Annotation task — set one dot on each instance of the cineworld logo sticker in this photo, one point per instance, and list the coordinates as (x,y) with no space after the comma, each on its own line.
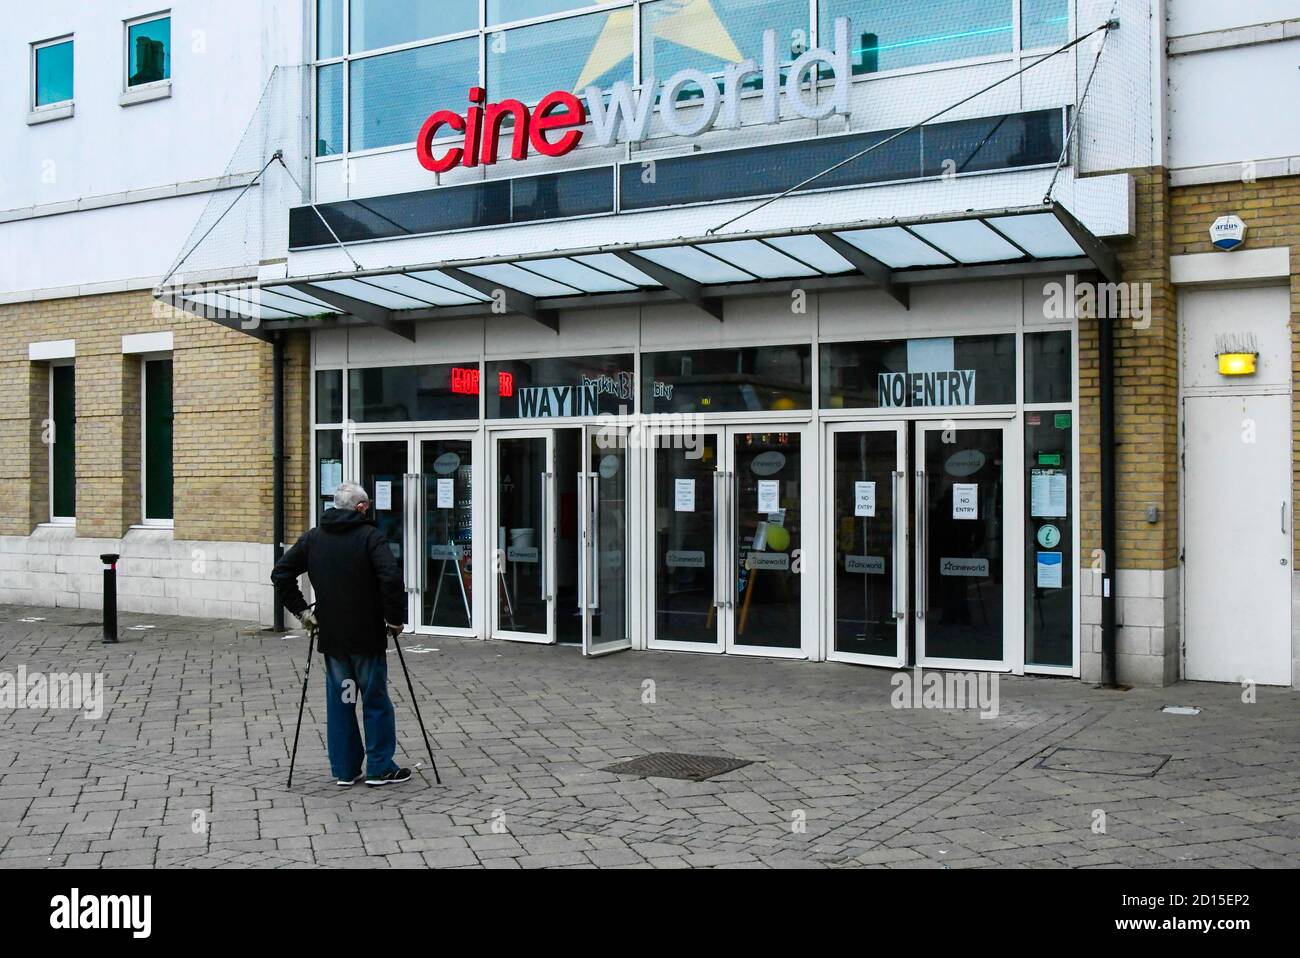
(77,912)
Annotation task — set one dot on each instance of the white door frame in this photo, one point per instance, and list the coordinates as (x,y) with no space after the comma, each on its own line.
(724,539)
(478,567)
(899,558)
(589,540)
(1013,626)
(546,547)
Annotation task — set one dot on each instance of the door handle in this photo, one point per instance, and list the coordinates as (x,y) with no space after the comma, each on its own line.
(543,528)
(728,545)
(1283,517)
(897,602)
(594,505)
(422,531)
(583,540)
(718,538)
(922,504)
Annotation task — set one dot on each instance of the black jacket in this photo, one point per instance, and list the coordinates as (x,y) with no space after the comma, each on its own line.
(356,578)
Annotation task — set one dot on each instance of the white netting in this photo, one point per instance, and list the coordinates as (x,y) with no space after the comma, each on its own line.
(248,224)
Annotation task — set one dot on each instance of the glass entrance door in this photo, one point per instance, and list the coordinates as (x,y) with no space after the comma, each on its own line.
(444,524)
(962,517)
(868,532)
(603,488)
(523,486)
(383,470)
(726,543)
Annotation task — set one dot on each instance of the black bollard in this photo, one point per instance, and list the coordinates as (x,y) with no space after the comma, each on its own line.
(110,597)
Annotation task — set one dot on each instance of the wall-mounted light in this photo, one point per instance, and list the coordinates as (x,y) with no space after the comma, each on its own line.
(1237,364)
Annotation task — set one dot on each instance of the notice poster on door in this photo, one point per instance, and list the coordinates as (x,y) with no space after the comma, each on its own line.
(1049,570)
(446,493)
(684,495)
(769,496)
(1047,493)
(965,500)
(383,496)
(331,475)
(864,500)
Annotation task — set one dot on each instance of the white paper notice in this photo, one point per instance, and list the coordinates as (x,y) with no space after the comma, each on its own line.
(684,495)
(383,496)
(1049,570)
(331,475)
(769,495)
(965,500)
(864,500)
(446,493)
(1047,494)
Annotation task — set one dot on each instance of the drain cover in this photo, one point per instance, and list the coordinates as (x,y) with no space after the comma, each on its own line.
(1102,762)
(690,768)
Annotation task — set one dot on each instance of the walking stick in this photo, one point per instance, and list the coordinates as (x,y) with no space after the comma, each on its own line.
(416,703)
(311,643)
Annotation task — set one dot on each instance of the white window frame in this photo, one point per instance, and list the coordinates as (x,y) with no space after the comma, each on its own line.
(145,521)
(143,92)
(61,107)
(53,519)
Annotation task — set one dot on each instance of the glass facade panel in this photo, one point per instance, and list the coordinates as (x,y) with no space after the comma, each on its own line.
(63,478)
(908,373)
(447,466)
(865,486)
(773,378)
(329,110)
(329,396)
(708,37)
(570,54)
(1049,367)
(559,388)
(158,439)
(1049,539)
(768,587)
(329,29)
(413,393)
(53,73)
(149,51)
(1044,23)
(391,96)
(506,11)
(892,36)
(376,24)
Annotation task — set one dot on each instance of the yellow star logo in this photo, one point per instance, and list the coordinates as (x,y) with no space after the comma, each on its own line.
(689,23)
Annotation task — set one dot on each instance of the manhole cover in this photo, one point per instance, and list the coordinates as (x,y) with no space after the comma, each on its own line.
(1102,762)
(691,768)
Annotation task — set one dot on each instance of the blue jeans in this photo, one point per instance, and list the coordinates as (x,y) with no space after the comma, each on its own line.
(347,679)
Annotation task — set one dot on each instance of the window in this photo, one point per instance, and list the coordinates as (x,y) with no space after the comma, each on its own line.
(676,36)
(410,394)
(570,54)
(148,50)
(376,24)
(1044,23)
(559,387)
(329,110)
(892,35)
(156,416)
(63,443)
(52,73)
(910,373)
(391,94)
(1049,368)
(507,11)
(329,29)
(773,378)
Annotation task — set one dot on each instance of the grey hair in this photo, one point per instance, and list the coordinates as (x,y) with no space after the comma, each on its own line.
(349,495)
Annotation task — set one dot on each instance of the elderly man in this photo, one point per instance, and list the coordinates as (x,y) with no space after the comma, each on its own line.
(360,602)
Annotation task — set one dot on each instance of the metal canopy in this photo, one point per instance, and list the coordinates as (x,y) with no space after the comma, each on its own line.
(890,256)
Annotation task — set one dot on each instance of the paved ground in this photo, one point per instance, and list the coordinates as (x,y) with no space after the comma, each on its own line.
(187,765)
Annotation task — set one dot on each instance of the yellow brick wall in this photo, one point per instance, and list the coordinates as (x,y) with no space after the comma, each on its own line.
(222,427)
(1146,400)
(1271,211)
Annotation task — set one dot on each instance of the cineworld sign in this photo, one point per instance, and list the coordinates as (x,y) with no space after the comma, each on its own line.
(557,124)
